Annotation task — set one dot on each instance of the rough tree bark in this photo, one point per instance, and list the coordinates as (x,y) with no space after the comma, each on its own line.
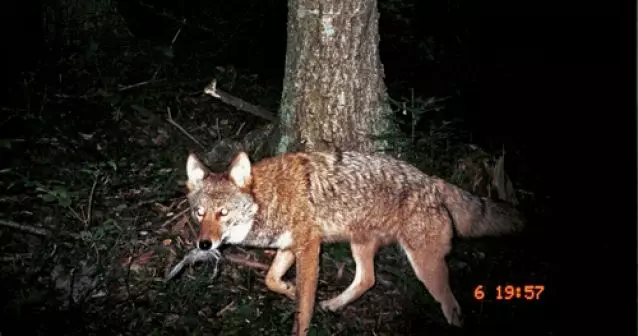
(333,93)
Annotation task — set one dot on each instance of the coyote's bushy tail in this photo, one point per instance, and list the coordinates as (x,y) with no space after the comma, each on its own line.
(476,216)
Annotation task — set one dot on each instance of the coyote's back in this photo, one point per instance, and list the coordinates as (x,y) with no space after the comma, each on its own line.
(296,201)
(355,193)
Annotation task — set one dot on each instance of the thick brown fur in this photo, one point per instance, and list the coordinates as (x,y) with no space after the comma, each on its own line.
(296,201)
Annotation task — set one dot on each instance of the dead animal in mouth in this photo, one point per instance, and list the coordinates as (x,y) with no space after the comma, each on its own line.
(195,255)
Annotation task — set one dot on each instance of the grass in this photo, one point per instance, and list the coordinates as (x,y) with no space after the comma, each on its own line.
(99,175)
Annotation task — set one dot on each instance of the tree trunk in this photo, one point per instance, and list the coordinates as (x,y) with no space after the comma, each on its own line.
(333,94)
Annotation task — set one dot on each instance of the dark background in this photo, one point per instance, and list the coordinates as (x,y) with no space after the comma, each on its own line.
(516,70)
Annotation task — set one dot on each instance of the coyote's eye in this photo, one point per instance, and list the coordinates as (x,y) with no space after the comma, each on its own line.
(223,212)
(200,211)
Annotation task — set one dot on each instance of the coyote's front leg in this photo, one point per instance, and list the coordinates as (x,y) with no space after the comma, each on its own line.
(284,259)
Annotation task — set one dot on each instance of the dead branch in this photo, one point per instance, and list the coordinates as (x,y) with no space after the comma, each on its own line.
(90,205)
(176,216)
(25,228)
(239,104)
(225,309)
(159,67)
(172,122)
(136,85)
(36,231)
(236,259)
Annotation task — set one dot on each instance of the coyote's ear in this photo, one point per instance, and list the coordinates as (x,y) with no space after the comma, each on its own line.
(196,172)
(240,170)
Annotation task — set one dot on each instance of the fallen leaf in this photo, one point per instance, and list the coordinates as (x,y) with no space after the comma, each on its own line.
(144,257)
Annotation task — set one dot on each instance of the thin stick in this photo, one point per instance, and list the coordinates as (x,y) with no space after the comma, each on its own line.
(172,122)
(176,216)
(159,67)
(236,259)
(25,228)
(76,215)
(177,33)
(136,85)
(35,231)
(88,210)
(239,104)
(182,202)
(226,308)
(240,128)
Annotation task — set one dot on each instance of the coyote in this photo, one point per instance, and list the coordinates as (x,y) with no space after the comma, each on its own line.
(296,201)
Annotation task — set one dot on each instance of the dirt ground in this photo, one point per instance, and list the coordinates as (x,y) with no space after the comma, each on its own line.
(93,215)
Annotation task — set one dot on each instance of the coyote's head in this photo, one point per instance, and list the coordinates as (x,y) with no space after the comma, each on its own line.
(221,203)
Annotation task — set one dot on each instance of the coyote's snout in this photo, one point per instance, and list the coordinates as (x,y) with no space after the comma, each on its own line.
(296,201)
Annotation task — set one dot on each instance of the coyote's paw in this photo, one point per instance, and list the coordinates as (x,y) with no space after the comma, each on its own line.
(453,314)
(289,290)
(282,287)
(333,304)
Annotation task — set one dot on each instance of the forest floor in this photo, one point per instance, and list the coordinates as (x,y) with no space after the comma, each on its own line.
(93,215)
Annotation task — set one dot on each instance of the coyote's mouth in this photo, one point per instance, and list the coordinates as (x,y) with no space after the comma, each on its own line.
(195,255)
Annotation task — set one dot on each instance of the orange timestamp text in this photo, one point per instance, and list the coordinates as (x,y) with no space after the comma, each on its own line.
(510,292)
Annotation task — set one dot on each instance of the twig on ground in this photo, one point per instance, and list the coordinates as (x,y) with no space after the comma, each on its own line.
(146,202)
(236,259)
(175,204)
(25,228)
(181,202)
(90,205)
(35,231)
(241,127)
(176,216)
(172,122)
(225,309)
(239,104)
(159,67)
(136,85)
(177,33)
(77,215)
